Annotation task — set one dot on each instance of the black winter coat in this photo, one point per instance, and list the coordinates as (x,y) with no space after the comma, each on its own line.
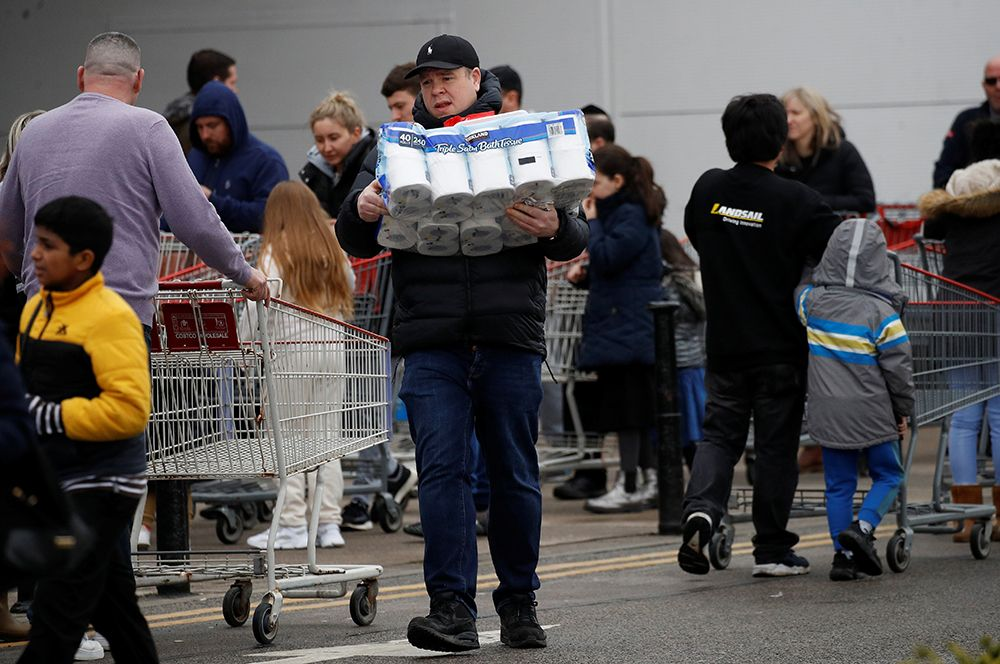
(955,149)
(454,301)
(840,176)
(331,196)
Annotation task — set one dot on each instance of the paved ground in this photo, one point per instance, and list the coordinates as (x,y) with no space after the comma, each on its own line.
(612,593)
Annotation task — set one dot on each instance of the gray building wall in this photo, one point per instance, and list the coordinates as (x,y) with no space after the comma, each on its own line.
(898,71)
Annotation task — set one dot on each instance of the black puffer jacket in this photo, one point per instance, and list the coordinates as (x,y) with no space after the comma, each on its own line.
(331,196)
(451,301)
(839,175)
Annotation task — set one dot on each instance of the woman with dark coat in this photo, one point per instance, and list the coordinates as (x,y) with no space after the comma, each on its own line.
(342,142)
(624,276)
(818,155)
(966,215)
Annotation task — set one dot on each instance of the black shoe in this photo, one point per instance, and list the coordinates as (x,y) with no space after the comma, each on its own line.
(401,485)
(519,626)
(449,627)
(844,568)
(21,606)
(583,484)
(862,545)
(414,529)
(355,516)
(790,564)
(697,536)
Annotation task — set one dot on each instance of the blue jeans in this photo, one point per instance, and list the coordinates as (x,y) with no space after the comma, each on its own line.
(963,439)
(497,391)
(840,468)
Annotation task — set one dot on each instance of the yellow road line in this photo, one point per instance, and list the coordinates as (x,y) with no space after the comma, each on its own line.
(407,591)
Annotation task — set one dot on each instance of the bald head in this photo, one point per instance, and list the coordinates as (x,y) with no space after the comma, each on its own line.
(991,83)
(112,54)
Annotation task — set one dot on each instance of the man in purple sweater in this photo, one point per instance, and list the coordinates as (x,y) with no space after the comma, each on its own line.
(101,146)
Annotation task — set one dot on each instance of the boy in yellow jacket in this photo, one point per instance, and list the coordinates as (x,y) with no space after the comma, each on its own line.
(85,364)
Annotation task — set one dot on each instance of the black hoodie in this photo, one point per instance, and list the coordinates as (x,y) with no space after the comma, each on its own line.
(454,301)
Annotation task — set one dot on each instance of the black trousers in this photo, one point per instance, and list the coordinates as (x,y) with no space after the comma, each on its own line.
(99,591)
(774,396)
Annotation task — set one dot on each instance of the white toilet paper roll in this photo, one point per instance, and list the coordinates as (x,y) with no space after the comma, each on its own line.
(478,230)
(396,235)
(451,215)
(493,202)
(482,247)
(530,164)
(402,170)
(489,169)
(438,247)
(512,235)
(429,230)
(572,162)
(448,168)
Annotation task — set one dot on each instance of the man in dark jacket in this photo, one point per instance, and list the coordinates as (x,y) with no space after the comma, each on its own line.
(471,332)
(236,170)
(955,151)
(754,232)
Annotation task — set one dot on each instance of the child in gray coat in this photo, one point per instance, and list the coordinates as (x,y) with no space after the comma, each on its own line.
(860,385)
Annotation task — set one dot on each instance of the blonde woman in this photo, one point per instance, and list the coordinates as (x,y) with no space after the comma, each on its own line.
(20,122)
(299,247)
(818,155)
(342,143)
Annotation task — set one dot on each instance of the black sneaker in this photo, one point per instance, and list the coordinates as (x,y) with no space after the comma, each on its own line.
(401,485)
(697,536)
(862,545)
(583,484)
(355,516)
(844,568)
(415,529)
(449,627)
(791,564)
(519,626)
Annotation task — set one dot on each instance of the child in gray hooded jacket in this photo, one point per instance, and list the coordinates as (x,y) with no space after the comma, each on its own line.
(860,385)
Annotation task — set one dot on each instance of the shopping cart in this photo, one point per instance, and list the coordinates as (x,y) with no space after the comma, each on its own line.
(931,254)
(564,307)
(955,335)
(898,221)
(175,256)
(373,292)
(260,392)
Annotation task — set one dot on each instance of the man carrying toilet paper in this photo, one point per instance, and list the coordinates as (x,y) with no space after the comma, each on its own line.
(471,332)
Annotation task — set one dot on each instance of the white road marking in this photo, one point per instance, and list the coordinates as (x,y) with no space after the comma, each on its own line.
(397,648)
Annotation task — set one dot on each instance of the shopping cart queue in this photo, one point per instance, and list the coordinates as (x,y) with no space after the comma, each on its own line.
(785,299)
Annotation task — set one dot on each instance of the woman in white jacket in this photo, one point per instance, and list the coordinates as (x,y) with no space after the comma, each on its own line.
(299,247)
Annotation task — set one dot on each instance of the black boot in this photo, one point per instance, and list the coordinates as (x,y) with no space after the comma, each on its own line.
(519,626)
(584,484)
(862,546)
(449,627)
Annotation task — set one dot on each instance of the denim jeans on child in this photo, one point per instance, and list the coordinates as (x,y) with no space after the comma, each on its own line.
(840,468)
(499,389)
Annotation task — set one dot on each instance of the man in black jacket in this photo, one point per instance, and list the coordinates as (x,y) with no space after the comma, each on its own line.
(955,150)
(471,332)
(754,232)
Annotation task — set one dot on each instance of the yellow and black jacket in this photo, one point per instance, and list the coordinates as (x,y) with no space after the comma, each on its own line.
(83,355)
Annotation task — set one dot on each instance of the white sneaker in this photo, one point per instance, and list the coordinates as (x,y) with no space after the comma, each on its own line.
(615,501)
(288,537)
(145,535)
(103,641)
(88,651)
(328,535)
(650,490)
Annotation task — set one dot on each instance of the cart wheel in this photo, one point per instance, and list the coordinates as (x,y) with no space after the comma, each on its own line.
(249,512)
(896,554)
(720,550)
(979,540)
(236,605)
(386,511)
(363,608)
(229,526)
(264,628)
(265,510)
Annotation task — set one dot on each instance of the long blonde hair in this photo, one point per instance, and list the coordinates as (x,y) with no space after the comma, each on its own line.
(20,122)
(827,122)
(299,241)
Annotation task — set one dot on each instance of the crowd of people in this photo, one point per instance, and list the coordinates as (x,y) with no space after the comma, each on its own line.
(763,311)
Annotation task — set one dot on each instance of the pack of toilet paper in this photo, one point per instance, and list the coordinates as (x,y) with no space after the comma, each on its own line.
(447,189)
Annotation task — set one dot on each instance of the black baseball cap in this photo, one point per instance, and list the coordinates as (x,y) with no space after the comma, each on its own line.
(445,52)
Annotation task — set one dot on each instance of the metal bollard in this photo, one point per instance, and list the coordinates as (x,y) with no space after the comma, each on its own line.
(670,462)
(172,527)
